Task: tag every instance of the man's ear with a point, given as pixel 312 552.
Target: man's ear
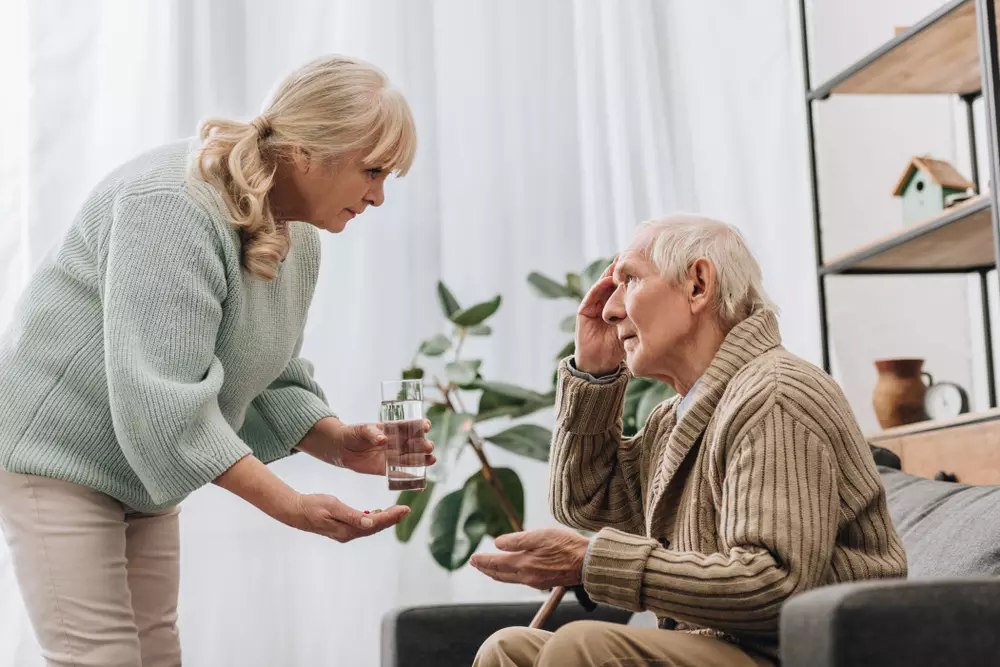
pixel 701 280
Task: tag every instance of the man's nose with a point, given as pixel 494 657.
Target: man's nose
pixel 614 309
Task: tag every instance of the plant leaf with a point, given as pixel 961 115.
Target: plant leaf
pixel 449 304
pixel 568 324
pixel 436 346
pixel 652 397
pixel 491 510
pixel 413 373
pixel 480 330
pixel 476 314
pixel 567 350
pixel 449 431
pixel 547 288
pixel 509 391
pixel 574 286
pixel 525 439
pixel 417 501
pixel 462 372
pixel 500 399
pixel 593 272
pixel 457 528
pixel 493 405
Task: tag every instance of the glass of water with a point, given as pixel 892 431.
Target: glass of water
pixel 402 419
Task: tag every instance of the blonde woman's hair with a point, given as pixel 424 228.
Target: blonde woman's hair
pixel 330 107
pixel 675 242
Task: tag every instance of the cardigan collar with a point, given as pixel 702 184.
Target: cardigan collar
pixel 746 341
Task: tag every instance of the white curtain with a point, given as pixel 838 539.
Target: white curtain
pixel 548 128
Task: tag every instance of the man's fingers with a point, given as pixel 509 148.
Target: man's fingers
pixel 503 563
pixel 523 541
pixel 593 304
pixel 611 268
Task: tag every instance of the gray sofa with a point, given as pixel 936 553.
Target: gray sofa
pixel 947 613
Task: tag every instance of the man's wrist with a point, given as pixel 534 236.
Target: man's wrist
pixel 598 377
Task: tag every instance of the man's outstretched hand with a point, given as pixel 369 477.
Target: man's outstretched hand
pixel 542 558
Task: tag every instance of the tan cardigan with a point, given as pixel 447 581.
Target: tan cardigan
pixel 766 488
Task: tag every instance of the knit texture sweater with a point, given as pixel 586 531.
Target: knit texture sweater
pixel 765 488
pixel 143 360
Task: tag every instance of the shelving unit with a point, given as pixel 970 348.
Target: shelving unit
pixel 951 52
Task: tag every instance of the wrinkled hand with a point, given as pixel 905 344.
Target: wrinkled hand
pixel 598 350
pixel 542 558
pixel 357 447
pixel 327 516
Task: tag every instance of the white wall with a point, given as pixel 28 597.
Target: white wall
pixel 863 144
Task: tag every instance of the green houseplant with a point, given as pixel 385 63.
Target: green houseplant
pixel 491 501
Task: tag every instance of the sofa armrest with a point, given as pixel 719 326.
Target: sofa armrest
pixel 450 635
pixel 918 623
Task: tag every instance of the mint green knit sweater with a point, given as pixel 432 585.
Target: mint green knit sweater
pixel 143 360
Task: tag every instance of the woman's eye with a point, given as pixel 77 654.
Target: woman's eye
pixel 374 173
pixel 629 279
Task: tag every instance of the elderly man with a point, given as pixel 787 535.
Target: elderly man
pixel 753 485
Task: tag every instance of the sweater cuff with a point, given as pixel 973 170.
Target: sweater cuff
pixel 283 417
pixel 598 379
pixel 584 407
pixel 615 566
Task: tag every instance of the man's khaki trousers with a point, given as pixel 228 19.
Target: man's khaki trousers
pixel 599 644
pixel 99 581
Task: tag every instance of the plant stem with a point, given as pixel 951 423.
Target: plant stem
pixel 488 474
pixel 463 332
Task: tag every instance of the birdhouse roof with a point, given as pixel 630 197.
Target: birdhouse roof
pixel 939 171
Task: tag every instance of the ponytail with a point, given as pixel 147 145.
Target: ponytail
pixel 234 159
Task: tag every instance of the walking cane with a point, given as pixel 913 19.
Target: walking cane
pixel 542 616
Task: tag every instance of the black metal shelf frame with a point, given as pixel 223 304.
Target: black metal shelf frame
pixel 990 92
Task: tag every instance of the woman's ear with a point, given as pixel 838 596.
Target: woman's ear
pixel 701 283
pixel 300 157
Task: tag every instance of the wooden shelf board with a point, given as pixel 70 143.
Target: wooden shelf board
pixel 939 55
pixel 960 239
pixel 927 426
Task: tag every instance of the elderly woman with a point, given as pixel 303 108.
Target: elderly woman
pixel 158 351
pixel 753 485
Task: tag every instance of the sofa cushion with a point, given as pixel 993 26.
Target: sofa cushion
pixel 948 529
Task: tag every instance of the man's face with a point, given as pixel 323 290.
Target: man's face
pixel 653 315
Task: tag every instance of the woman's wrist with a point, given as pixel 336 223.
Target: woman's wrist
pixel 252 481
pixel 321 439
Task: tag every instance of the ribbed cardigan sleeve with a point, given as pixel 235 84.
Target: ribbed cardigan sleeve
pixel 779 520
pixel 594 472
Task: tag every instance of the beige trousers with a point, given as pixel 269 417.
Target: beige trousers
pixel 598 644
pixel 99 581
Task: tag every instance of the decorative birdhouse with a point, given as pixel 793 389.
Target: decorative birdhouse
pixel 925 186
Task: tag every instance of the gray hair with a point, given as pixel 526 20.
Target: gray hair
pixel 676 241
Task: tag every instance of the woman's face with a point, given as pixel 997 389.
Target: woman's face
pixel 326 194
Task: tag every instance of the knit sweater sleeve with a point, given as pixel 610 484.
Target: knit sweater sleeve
pixel 164 285
pixel 282 414
pixel 778 523
pixel 594 472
